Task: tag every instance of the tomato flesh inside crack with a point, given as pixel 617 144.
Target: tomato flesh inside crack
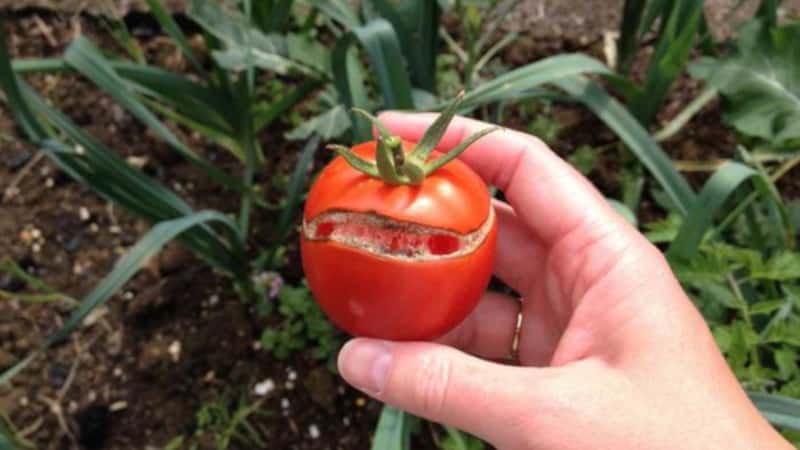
pixel 388 237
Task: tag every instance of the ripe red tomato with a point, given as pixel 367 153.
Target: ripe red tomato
pixel 400 262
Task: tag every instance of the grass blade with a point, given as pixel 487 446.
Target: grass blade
pixel 8 81
pixel 85 58
pixel 174 31
pixel 201 104
pixel 392 432
pixel 124 270
pixel 110 176
pixel 647 150
pixel 510 85
pixel 296 187
pixel 5 442
pixel 628 43
pixel 349 79
pixel 779 410
pixel 340 11
pixel 35 65
pixel 263 116
pixel 716 191
pixel 418 22
pixel 383 49
pixel 675 43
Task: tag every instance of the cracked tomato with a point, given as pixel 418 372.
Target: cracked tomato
pixel 398 241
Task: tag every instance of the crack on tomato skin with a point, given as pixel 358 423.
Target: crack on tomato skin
pixel 394 239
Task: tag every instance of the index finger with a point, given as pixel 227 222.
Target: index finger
pixel 550 196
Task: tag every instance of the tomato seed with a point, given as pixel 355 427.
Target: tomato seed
pixel 441 244
pixel 324 229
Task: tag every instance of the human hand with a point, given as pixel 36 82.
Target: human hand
pixel 612 353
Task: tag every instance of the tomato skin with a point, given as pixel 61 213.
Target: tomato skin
pixel 452 198
pixel 372 295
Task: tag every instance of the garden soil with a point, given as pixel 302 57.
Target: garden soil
pixel 176 337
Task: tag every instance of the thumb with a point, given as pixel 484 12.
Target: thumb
pixel 442 384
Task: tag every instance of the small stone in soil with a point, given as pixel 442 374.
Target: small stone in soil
pixel 313 431
pixel 285 403
pixel 264 388
pixel 72 245
pixel 83 214
pixel 118 406
pixel 174 351
pixel 58 374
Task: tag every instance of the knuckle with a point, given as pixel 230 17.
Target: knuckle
pixel 433 381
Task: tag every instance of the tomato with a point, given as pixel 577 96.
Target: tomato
pixel 398 261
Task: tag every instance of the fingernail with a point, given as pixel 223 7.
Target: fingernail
pixel 365 363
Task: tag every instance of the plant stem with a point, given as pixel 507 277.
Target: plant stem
pixel 33 65
pixel 782 170
pixel 686 115
pixel 744 307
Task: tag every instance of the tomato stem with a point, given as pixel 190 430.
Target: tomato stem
pixel 394 166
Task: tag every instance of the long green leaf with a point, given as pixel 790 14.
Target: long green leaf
pixel 89 162
pixel 201 104
pixel 779 410
pixel 511 85
pixel 174 31
pixel 348 77
pixel 85 58
pixel 418 22
pixel 383 49
pixel 725 181
pixel 768 12
pixel 5 442
pixel 296 187
pixel 124 270
pixel 263 116
pixel 634 136
pixel 16 103
pixel 273 16
pixel 109 175
pixel 628 43
pixel 338 10
pixel 36 65
pixel 675 42
pixel 392 432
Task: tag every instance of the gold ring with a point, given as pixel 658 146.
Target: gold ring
pixel 514 355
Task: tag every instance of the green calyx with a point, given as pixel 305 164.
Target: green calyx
pixel 396 167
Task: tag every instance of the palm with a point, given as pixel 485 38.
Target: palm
pixel 587 293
